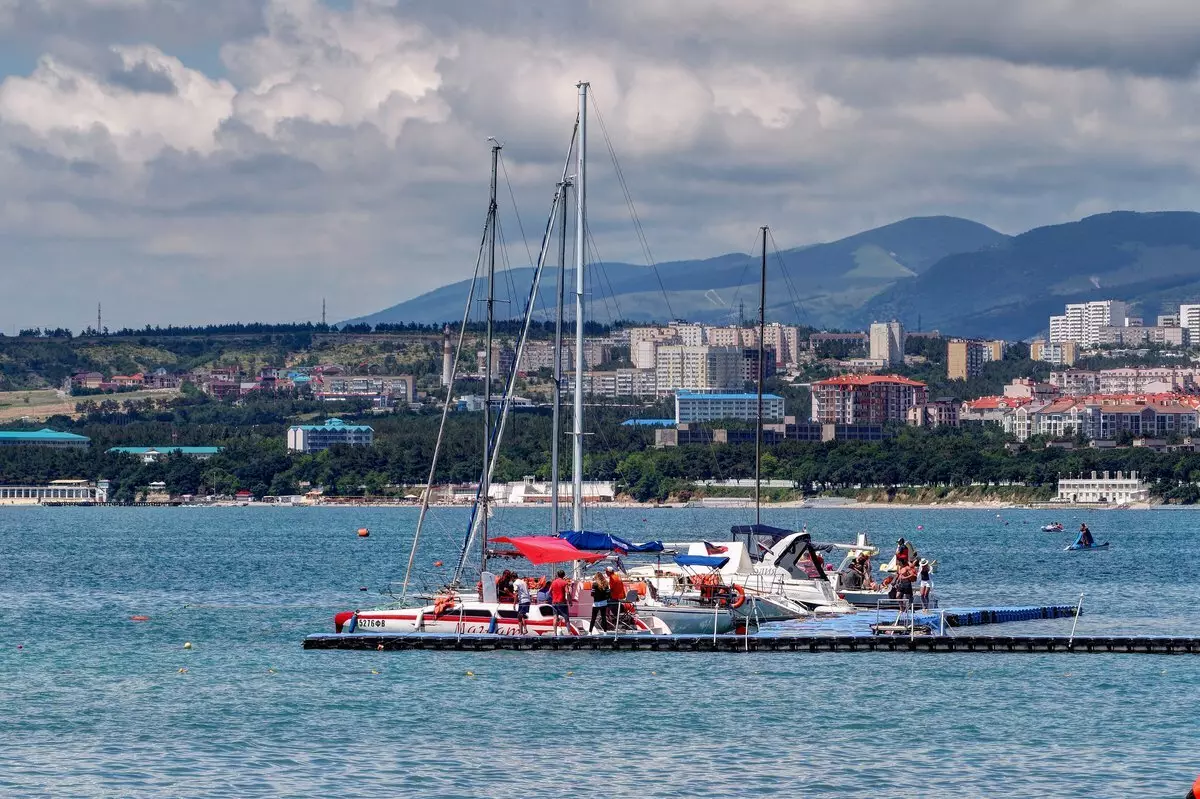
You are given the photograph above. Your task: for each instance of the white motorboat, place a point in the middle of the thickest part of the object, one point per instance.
(786, 573)
(681, 581)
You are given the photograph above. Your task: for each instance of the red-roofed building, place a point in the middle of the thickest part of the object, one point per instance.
(865, 399)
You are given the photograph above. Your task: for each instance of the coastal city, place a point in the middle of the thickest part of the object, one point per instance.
(702, 375)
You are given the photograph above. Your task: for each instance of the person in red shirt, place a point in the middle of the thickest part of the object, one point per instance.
(559, 590)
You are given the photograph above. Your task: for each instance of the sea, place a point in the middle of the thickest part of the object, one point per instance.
(95, 704)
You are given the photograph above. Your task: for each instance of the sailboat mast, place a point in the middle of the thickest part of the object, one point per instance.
(558, 321)
(580, 232)
(486, 485)
(762, 371)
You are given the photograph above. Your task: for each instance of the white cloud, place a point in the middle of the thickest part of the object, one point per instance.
(341, 151)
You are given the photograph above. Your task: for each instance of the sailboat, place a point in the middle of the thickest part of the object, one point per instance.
(456, 609)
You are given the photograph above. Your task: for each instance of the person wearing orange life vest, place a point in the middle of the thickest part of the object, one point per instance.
(616, 593)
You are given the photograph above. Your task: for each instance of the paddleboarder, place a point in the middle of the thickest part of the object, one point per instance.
(1085, 537)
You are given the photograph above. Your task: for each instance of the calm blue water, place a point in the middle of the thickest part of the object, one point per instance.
(94, 705)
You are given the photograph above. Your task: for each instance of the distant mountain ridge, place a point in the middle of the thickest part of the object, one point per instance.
(821, 284)
(1151, 260)
(946, 272)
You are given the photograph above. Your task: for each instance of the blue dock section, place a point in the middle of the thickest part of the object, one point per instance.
(860, 623)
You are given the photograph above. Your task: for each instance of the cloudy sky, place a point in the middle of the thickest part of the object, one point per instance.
(187, 161)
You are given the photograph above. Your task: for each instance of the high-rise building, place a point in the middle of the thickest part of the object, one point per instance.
(447, 357)
(965, 358)
(1189, 320)
(1082, 321)
(701, 368)
(887, 343)
(865, 399)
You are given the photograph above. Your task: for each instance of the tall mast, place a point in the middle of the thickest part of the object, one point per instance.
(485, 487)
(580, 232)
(558, 321)
(762, 371)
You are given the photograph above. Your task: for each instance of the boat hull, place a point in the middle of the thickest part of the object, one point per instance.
(684, 620)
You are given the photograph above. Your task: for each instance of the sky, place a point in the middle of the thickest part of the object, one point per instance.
(194, 161)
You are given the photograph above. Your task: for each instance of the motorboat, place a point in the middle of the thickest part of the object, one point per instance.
(693, 582)
(785, 576)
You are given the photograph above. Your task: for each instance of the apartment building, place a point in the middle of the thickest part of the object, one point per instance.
(318, 437)
(887, 343)
(965, 357)
(1059, 353)
(865, 399)
(693, 407)
(621, 383)
(703, 368)
(1082, 321)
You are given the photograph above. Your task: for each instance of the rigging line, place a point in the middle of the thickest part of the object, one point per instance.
(516, 210)
(633, 214)
(797, 303)
(498, 432)
(596, 261)
(510, 387)
(741, 282)
(437, 447)
(506, 268)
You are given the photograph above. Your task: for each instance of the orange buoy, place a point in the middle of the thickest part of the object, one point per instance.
(363, 532)
(437, 563)
(139, 618)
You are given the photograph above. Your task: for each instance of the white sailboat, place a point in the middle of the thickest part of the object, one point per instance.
(458, 610)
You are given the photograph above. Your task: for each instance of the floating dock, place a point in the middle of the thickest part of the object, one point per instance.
(849, 633)
(756, 643)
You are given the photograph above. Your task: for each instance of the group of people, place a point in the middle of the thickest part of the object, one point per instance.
(608, 592)
(910, 570)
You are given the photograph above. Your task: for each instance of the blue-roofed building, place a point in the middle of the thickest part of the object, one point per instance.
(693, 407)
(318, 437)
(43, 438)
(152, 454)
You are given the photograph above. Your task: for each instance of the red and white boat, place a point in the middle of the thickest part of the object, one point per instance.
(480, 611)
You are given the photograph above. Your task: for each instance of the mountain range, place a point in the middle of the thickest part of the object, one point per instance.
(941, 272)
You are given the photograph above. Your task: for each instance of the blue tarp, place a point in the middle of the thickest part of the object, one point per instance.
(705, 561)
(603, 542)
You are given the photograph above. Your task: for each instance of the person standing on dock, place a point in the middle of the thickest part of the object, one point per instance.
(616, 595)
(600, 595)
(925, 583)
(558, 600)
(905, 577)
(521, 591)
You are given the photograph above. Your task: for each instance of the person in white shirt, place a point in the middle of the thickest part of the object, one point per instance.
(521, 589)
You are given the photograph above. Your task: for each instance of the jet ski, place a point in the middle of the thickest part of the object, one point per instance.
(1052, 528)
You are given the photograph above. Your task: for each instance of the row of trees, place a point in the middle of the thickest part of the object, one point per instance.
(254, 458)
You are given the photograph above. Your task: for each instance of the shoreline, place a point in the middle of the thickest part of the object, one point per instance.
(847, 504)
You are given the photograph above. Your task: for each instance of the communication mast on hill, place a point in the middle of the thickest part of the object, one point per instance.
(98, 327)
(322, 312)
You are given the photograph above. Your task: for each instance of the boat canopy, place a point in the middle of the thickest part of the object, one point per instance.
(586, 539)
(539, 549)
(705, 561)
(760, 529)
